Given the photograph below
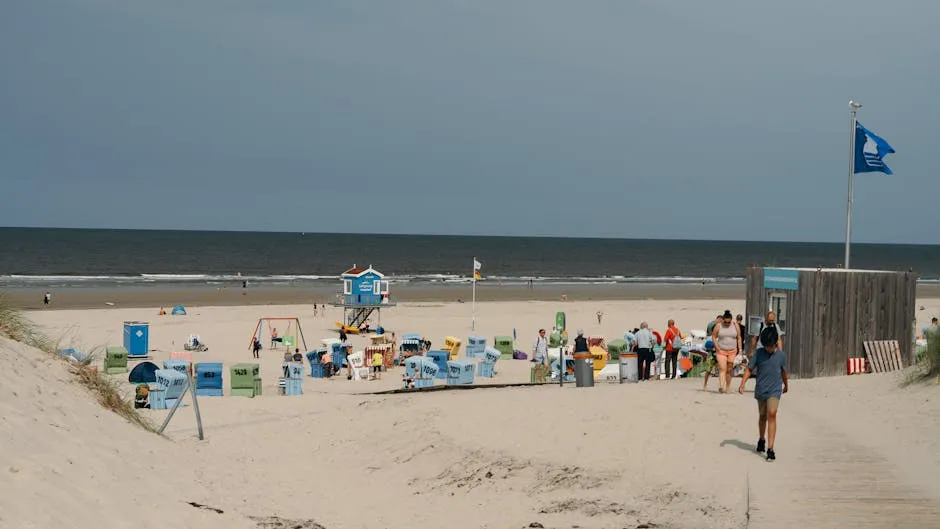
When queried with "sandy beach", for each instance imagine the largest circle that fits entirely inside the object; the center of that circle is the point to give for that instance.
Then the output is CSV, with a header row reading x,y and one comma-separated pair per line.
x,y
852,451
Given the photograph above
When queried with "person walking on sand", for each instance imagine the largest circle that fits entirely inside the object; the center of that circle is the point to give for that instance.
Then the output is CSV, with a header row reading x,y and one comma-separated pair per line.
x,y
644,351
255,346
600,316
770,320
770,364
727,340
540,348
46,299
673,339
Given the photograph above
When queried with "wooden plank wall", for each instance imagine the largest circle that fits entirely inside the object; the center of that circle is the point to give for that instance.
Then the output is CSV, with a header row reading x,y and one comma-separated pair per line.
x,y
834,312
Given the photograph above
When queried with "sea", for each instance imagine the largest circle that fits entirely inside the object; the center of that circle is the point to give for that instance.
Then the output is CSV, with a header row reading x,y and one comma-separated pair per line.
x,y
57,258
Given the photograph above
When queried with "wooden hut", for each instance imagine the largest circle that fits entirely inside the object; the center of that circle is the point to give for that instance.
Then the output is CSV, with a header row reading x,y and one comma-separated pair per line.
x,y
827,314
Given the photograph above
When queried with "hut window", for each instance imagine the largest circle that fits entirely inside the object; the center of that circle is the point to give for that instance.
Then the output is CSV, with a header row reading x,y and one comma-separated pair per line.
x,y
347,287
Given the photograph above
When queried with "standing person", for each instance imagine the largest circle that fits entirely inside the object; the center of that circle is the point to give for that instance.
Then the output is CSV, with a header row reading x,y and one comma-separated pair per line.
x,y
342,336
540,348
673,339
644,351
770,362
315,311
255,346
600,316
743,328
580,343
47,298
377,360
770,320
712,324
728,344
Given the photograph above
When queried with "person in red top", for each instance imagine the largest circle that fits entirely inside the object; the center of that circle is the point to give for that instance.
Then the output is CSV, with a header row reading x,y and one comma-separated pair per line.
x,y
673,339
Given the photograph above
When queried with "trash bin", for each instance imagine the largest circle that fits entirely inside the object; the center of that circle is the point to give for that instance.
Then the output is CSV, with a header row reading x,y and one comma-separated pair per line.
x,y
584,370
629,368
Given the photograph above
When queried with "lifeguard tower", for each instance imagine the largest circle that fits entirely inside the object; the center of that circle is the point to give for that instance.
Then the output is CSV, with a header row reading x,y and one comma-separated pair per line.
x,y
365,291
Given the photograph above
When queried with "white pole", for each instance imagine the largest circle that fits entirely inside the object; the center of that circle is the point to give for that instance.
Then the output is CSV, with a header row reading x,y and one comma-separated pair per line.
x,y
848,207
473,304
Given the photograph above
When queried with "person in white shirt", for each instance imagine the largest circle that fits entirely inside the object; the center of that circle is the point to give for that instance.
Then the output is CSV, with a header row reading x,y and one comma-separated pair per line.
x,y
540,348
644,351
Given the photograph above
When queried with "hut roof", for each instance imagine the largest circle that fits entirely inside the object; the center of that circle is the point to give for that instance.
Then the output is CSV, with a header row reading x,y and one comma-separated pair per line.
x,y
358,271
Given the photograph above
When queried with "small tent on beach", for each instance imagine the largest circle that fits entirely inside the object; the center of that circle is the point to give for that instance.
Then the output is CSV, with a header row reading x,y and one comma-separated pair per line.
x,y
143,373
179,310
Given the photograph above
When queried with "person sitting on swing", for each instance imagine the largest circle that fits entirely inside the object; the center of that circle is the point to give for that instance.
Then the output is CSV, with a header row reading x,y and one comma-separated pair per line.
x,y
275,339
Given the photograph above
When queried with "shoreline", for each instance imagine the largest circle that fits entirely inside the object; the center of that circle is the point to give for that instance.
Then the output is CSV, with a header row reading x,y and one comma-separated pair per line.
x,y
84,298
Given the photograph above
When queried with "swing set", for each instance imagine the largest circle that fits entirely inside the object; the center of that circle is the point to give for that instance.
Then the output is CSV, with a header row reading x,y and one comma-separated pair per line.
x,y
292,337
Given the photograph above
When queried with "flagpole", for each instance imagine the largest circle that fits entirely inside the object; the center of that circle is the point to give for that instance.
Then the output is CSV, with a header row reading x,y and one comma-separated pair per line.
x,y
854,106
473,304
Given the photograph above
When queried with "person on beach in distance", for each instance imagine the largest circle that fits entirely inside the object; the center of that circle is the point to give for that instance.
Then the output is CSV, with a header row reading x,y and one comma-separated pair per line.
x,y
673,339
377,361
540,348
46,299
728,344
342,336
255,346
769,321
600,316
644,351
770,363
580,343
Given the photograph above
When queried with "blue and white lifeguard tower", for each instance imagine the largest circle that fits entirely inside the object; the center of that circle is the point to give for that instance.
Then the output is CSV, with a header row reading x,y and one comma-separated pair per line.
x,y
365,291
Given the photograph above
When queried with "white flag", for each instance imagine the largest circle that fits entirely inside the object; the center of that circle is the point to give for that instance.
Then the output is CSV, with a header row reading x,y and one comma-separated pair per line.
x,y
477,265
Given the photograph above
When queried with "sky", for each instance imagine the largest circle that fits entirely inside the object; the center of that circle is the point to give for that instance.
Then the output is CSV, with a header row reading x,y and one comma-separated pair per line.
x,y
725,119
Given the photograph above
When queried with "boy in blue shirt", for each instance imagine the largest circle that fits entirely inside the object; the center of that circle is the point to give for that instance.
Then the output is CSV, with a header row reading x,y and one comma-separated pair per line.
x,y
769,367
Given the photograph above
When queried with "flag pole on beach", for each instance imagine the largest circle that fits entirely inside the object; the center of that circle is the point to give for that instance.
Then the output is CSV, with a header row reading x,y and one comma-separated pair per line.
x,y
473,304
866,155
854,106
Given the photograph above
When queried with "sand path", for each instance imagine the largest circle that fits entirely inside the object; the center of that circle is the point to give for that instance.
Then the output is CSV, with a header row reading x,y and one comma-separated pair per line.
x,y
845,465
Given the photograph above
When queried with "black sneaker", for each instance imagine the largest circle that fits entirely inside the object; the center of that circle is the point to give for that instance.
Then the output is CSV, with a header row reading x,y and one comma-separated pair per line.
x,y
760,445
771,456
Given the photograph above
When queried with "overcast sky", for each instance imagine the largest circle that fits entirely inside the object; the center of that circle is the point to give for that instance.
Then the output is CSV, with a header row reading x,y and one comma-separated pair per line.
x,y
724,119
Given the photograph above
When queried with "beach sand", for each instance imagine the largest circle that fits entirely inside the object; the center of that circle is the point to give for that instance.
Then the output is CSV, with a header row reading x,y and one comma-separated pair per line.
x,y
852,451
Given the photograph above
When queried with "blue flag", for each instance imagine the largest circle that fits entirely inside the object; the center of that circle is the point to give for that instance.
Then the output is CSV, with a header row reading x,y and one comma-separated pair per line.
x,y
870,150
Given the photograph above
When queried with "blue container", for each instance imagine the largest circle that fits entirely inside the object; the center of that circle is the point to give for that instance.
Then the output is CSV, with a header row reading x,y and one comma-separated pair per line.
x,y
440,358
209,392
173,382
137,338
491,355
292,370
485,370
177,365
316,370
209,376
412,364
428,369
459,372
293,387
475,346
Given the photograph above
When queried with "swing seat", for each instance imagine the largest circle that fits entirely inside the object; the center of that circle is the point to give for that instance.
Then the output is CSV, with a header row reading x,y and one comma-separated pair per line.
x,y
288,342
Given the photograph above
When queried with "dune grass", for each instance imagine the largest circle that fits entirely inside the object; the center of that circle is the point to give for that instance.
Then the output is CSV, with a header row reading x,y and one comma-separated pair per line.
x,y
16,326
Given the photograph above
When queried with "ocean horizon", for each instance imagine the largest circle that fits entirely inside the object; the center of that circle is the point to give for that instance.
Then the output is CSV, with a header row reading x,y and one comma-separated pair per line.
x,y
78,257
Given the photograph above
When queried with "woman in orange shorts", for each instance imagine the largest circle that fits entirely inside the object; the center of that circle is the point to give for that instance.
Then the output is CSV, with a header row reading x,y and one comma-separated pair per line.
x,y
727,338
